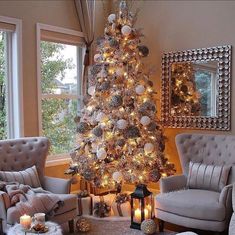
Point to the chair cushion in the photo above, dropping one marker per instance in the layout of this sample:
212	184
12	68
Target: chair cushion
208	177
28	176
70	203
192	203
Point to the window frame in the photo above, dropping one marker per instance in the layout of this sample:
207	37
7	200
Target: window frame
57	158
14	76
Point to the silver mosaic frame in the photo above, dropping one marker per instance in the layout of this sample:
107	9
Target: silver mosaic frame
223	103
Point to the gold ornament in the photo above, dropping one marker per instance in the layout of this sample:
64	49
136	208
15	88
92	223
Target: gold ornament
83	225
148	226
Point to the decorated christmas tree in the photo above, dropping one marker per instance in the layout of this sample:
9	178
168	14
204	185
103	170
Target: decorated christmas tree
120	138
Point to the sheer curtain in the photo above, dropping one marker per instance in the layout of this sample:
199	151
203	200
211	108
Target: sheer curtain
86	15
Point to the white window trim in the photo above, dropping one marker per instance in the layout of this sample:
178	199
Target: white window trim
60	158
15	83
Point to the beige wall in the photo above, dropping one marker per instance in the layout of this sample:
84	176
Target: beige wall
179	25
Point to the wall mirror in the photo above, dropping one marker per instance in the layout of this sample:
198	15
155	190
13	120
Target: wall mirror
196	88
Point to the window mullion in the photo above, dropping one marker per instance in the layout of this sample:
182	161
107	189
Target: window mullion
9	86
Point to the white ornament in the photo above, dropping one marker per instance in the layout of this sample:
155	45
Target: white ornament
97	57
145	120
126	30
148	148
119	71
91	90
139	89
101	117
111	18
122	124
101	154
117	176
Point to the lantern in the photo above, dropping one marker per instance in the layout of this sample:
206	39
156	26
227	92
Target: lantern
141	206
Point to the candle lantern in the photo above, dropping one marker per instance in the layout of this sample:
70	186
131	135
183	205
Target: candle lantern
141	206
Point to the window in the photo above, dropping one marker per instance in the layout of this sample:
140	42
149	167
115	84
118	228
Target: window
10	79
60	88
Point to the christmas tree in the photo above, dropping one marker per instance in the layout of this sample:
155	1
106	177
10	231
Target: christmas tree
119	135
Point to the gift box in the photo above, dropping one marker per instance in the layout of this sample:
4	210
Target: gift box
103	200
123	210
84	204
121	205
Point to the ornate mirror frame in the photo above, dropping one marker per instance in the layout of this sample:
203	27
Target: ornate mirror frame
222	120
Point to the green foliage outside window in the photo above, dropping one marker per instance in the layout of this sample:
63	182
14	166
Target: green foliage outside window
3	118
57	113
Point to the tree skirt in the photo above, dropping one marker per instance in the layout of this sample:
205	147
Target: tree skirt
114	227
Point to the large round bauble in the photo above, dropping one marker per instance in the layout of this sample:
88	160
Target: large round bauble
82	127
148	148
148	226
116	101
145	120
143	51
111	18
91	90
101	154
126	30
117	176
83	225
97	57
139	89
97	131
122	124
101	117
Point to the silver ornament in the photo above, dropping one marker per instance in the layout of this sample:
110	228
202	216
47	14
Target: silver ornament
143	51
82	127
116	101
97	131
132	132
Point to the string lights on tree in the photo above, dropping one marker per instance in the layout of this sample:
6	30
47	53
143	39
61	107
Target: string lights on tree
120	138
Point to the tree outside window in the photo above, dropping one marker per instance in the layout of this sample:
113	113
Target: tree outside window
59	85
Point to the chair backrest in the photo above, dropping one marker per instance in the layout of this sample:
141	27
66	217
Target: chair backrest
207	148
19	154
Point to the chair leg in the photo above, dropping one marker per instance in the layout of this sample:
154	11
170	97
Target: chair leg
1	227
71	226
161	225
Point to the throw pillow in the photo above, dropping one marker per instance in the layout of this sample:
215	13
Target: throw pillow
28	176
208	177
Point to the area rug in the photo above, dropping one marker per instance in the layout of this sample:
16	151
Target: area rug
111	227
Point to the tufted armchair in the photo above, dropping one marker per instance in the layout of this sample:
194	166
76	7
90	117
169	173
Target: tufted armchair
197	208
19	154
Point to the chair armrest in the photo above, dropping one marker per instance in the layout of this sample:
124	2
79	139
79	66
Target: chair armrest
173	183
4	204
57	185
226	195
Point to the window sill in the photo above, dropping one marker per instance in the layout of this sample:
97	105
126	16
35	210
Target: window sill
55	160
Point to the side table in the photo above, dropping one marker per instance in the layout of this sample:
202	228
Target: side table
54	229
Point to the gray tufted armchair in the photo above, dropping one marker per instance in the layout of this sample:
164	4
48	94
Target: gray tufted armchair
19	154
197	208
